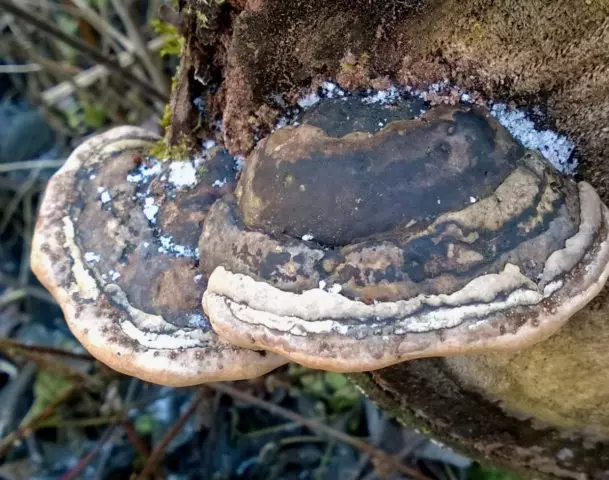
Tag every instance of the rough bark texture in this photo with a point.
(251, 58)
(423, 394)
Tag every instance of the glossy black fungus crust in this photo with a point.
(376, 212)
(342, 189)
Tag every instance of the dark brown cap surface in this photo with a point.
(116, 244)
(435, 236)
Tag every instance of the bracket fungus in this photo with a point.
(349, 244)
(434, 236)
(116, 244)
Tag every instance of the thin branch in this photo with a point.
(23, 38)
(90, 76)
(118, 432)
(28, 233)
(90, 15)
(320, 428)
(27, 68)
(12, 296)
(139, 445)
(35, 292)
(30, 165)
(75, 472)
(24, 430)
(10, 209)
(142, 51)
(159, 451)
(46, 27)
(11, 345)
(12, 396)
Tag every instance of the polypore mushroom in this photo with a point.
(435, 236)
(116, 244)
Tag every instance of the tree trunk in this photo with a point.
(246, 60)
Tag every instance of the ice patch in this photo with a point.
(282, 122)
(308, 100)
(182, 174)
(557, 149)
(219, 183)
(331, 90)
(198, 321)
(308, 237)
(240, 162)
(150, 209)
(143, 172)
(200, 104)
(168, 245)
(104, 196)
(383, 96)
(91, 257)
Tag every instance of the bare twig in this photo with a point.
(24, 430)
(88, 458)
(27, 68)
(105, 455)
(30, 165)
(14, 203)
(81, 422)
(46, 27)
(142, 51)
(85, 11)
(320, 428)
(11, 346)
(35, 292)
(139, 445)
(28, 229)
(159, 450)
(12, 396)
(24, 40)
(88, 77)
(12, 296)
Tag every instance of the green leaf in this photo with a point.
(48, 388)
(478, 472)
(336, 380)
(94, 115)
(144, 424)
(174, 41)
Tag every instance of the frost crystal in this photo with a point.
(554, 147)
(91, 257)
(182, 174)
(383, 96)
(308, 100)
(219, 183)
(150, 209)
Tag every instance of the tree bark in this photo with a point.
(247, 60)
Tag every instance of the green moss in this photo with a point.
(174, 41)
(201, 16)
(167, 116)
(162, 150)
